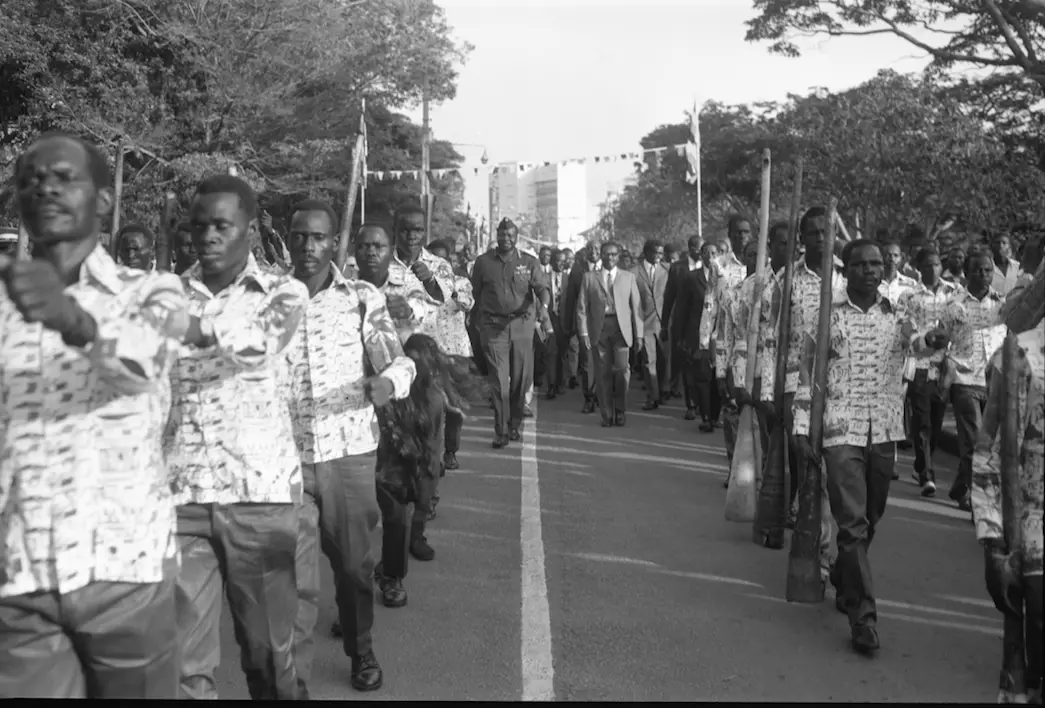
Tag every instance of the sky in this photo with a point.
(558, 79)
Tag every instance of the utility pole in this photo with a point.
(426, 196)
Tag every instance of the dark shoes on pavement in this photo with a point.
(515, 435)
(392, 593)
(619, 419)
(865, 639)
(589, 407)
(651, 406)
(500, 441)
(420, 549)
(366, 672)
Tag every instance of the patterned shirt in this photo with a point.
(346, 330)
(229, 439)
(976, 333)
(925, 307)
(893, 290)
(865, 388)
(404, 284)
(83, 487)
(450, 322)
(444, 277)
(986, 494)
(736, 327)
(805, 315)
(725, 327)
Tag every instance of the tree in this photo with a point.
(1000, 34)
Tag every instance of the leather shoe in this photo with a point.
(690, 415)
(607, 422)
(420, 549)
(589, 407)
(651, 406)
(865, 639)
(450, 461)
(366, 672)
(619, 419)
(500, 441)
(514, 435)
(392, 592)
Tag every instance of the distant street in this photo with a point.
(631, 585)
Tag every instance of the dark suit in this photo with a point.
(698, 370)
(585, 367)
(611, 335)
(676, 274)
(651, 294)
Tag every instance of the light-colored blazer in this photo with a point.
(651, 293)
(591, 306)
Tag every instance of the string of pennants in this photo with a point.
(680, 150)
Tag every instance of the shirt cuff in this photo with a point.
(401, 373)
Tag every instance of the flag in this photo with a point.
(693, 146)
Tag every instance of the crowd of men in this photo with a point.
(167, 436)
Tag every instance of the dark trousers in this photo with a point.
(611, 367)
(968, 403)
(650, 361)
(678, 362)
(508, 346)
(701, 390)
(454, 428)
(338, 515)
(401, 523)
(858, 481)
(247, 550)
(586, 371)
(105, 640)
(477, 349)
(927, 411)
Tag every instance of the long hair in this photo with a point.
(412, 429)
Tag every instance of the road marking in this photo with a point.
(923, 522)
(604, 558)
(538, 675)
(713, 578)
(937, 508)
(974, 601)
(478, 509)
(657, 568)
(933, 610)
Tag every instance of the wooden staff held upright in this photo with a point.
(771, 516)
(804, 583)
(165, 236)
(350, 203)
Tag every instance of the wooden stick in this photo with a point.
(23, 251)
(165, 236)
(773, 499)
(742, 494)
(350, 204)
(117, 197)
(803, 571)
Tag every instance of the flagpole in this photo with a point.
(366, 149)
(700, 205)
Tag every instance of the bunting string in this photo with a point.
(679, 149)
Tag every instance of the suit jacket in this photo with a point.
(591, 306)
(571, 294)
(676, 274)
(651, 293)
(693, 290)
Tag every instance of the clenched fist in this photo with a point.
(38, 292)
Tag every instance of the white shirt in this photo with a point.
(609, 277)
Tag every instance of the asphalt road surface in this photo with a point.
(596, 564)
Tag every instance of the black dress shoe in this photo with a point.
(707, 427)
(551, 395)
(607, 422)
(527, 412)
(690, 414)
(619, 419)
(500, 441)
(514, 435)
(450, 461)
(420, 549)
(865, 639)
(665, 395)
(589, 407)
(651, 406)
(392, 592)
(366, 672)
(572, 384)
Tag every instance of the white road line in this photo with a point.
(931, 507)
(962, 600)
(537, 672)
(933, 524)
(605, 558)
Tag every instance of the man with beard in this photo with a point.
(585, 262)
(234, 466)
(184, 249)
(87, 555)
(863, 419)
(136, 246)
(347, 332)
(675, 327)
(506, 284)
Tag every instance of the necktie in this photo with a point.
(609, 282)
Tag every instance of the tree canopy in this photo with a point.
(191, 86)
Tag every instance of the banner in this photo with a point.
(680, 150)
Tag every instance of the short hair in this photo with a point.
(315, 205)
(183, 226)
(408, 210)
(974, 253)
(815, 212)
(652, 245)
(607, 244)
(670, 248)
(852, 246)
(549, 249)
(370, 226)
(228, 184)
(734, 221)
(777, 228)
(925, 252)
(136, 229)
(694, 239)
(440, 243)
(97, 164)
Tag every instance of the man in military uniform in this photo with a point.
(505, 282)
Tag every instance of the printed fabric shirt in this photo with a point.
(865, 389)
(229, 439)
(403, 283)
(736, 325)
(451, 325)
(986, 491)
(347, 333)
(444, 275)
(976, 333)
(925, 308)
(725, 327)
(893, 290)
(83, 486)
(805, 315)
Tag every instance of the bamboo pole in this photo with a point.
(803, 571)
(773, 499)
(23, 252)
(350, 205)
(164, 237)
(742, 494)
(117, 198)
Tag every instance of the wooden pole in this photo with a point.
(350, 205)
(117, 197)
(742, 494)
(803, 572)
(165, 236)
(773, 499)
(23, 252)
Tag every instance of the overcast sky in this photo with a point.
(556, 79)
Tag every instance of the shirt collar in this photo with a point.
(251, 273)
(99, 268)
(612, 271)
(880, 301)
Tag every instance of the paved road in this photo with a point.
(623, 581)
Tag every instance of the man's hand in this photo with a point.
(723, 390)
(937, 339)
(379, 390)
(399, 308)
(266, 220)
(548, 329)
(806, 453)
(421, 271)
(1003, 579)
(38, 292)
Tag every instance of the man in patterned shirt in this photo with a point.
(234, 467)
(924, 304)
(347, 332)
(407, 301)
(971, 320)
(87, 548)
(410, 255)
(863, 419)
